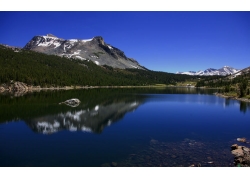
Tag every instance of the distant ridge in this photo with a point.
(226, 70)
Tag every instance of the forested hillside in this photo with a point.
(36, 69)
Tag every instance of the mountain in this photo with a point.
(14, 48)
(240, 72)
(236, 83)
(40, 69)
(226, 70)
(94, 49)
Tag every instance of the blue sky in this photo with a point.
(168, 41)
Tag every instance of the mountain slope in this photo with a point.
(44, 70)
(236, 85)
(240, 72)
(226, 70)
(94, 49)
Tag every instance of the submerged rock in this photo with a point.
(242, 139)
(72, 102)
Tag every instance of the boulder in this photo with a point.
(74, 102)
(242, 140)
(234, 146)
(238, 152)
(241, 155)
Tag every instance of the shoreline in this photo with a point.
(232, 97)
(20, 87)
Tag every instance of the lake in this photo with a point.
(135, 127)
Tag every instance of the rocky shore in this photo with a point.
(20, 88)
(232, 97)
(241, 155)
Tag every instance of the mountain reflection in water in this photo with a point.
(87, 120)
(169, 127)
(99, 108)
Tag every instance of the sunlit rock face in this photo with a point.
(94, 49)
(86, 120)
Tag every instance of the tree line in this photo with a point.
(43, 70)
(239, 84)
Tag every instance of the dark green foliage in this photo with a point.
(213, 81)
(227, 88)
(49, 70)
(242, 88)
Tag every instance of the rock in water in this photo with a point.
(242, 140)
(241, 155)
(234, 146)
(72, 102)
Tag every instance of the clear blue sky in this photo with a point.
(161, 41)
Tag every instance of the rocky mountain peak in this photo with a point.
(94, 49)
(99, 39)
(51, 35)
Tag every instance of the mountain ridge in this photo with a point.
(94, 49)
(225, 70)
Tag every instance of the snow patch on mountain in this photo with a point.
(56, 44)
(73, 40)
(110, 47)
(86, 40)
(81, 58)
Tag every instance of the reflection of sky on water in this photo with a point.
(199, 99)
(109, 131)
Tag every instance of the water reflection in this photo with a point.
(244, 106)
(168, 128)
(99, 108)
(43, 113)
(87, 120)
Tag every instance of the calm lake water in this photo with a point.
(121, 127)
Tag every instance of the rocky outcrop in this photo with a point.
(14, 87)
(17, 88)
(241, 155)
(72, 102)
(2, 89)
